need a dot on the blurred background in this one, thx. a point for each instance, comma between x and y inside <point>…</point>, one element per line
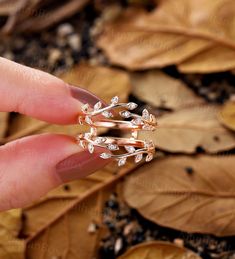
<point>175,58</point>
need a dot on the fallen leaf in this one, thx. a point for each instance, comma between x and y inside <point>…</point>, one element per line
<point>192,194</point>
<point>187,129</point>
<point>3,123</point>
<point>160,90</point>
<point>227,115</point>
<point>158,250</point>
<point>66,234</point>
<point>10,245</point>
<point>104,82</point>
<point>198,37</point>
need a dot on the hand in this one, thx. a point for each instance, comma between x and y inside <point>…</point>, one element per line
<point>31,166</point>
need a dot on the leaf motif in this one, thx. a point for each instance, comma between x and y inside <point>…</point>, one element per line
<point>115,100</point>
<point>97,106</point>
<point>167,36</point>
<point>183,190</point>
<point>122,161</point>
<point>163,250</point>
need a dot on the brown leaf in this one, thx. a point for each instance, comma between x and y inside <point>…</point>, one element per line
<point>227,115</point>
<point>158,250</point>
<point>66,234</point>
<point>189,194</point>
<point>187,129</point>
<point>39,214</point>
<point>198,36</point>
<point>102,81</point>
<point>10,245</point>
<point>3,123</point>
<point>158,89</point>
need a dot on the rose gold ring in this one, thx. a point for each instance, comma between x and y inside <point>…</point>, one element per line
<point>133,123</point>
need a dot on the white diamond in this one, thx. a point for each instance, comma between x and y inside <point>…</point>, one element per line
<point>107,114</point>
<point>91,148</point>
<point>105,155</point>
<point>145,114</point>
<point>88,120</point>
<point>130,149</point>
<point>100,140</point>
<point>87,135</point>
<point>125,114</point>
<point>149,157</point>
<point>97,106</point>
<point>138,158</point>
<point>112,147</point>
<point>122,161</point>
<point>132,106</point>
<point>115,100</point>
<point>85,107</point>
<point>82,143</point>
<point>137,121</point>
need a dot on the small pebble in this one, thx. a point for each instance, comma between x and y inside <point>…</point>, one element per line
<point>92,228</point>
<point>65,29</point>
<point>74,42</point>
<point>179,242</point>
<point>118,245</point>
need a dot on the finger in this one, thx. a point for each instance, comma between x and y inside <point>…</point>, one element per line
<point>32,166</point>
<point>40,95</point>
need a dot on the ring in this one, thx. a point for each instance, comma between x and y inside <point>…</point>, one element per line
<point>130,122</point>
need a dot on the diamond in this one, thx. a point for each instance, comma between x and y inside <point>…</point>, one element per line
<point>145,114</point>
<point>122,161</point>
<point>152,118</point>
<point>82,143</point>
<point>130,149</point>
<point>115,100</point>
<point>138,158</point>
<point>132,106</point>
<point>97,106</point>
<point>87,135</point>
<point>91,148</point>
<point>100,140</point>
<point>112,147</point>
<point>149,157</point>
<point>88,120</point>
<point>125,114</point>
<point>105,155</point>
<point>137,121</point>
<point>85,107</point>
<point>107,114</point>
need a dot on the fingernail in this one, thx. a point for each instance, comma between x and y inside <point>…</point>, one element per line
<point>84,96</point>
<point>79,165</point>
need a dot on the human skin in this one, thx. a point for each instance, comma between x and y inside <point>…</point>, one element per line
<point>32,166</point>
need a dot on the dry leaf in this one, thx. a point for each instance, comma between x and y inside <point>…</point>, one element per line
<point>159,89</point>
<point>10,245</point>
<point>39,214</point>
<point>189,194</point>
<point>3,123</point>
<point>198,36</point>
<point>227,115</point>
<point>102,81</point>
<point>158,250</point>
<point>67,233</point>
<point>187,129</point>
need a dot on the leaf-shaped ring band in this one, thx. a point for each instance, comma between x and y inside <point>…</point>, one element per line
<point>133,124</point>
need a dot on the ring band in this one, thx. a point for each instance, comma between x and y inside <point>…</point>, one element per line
<point>133,123</point>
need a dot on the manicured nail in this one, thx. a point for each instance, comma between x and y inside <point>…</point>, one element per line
<point>84,96</point>
<point>80,165</point>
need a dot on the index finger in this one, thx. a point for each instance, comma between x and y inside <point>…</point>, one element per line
<point>40,95</point>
